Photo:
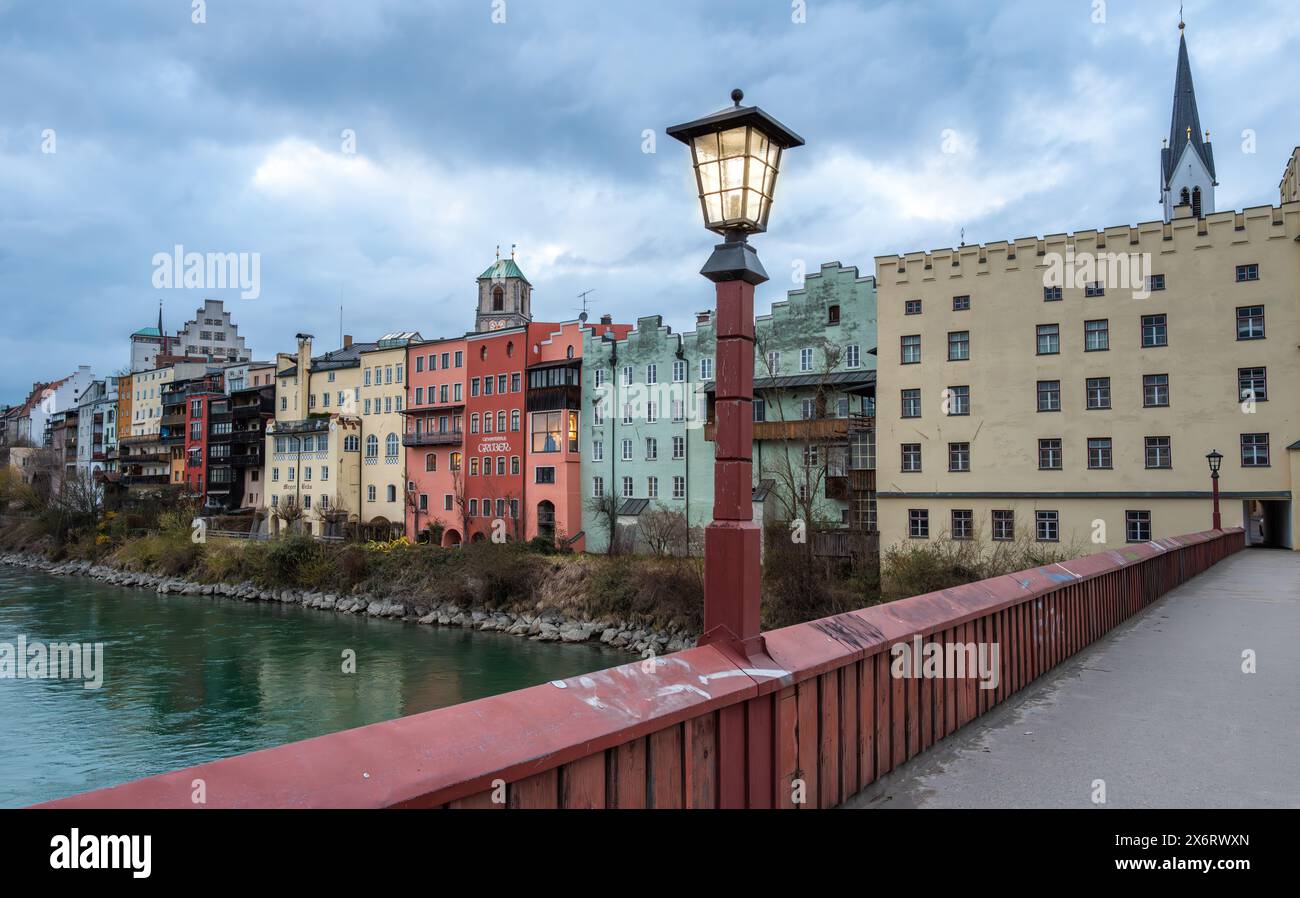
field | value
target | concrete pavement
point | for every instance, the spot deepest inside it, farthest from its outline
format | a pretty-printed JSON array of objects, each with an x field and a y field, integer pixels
[{"x": 1159, "y": 709}]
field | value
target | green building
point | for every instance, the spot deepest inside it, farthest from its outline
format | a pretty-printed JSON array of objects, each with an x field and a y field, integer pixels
[{"x": 647, "y": 469}]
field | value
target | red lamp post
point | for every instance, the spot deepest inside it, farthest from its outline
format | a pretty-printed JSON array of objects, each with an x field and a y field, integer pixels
[
  {"x": 736, "y": 154},
  {"x": 1215, "y": 458}
]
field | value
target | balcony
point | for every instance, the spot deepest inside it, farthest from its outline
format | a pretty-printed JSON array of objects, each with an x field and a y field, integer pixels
[
  {"x": 802, "y": 429},
  {"x": 434, "y": 438},
  {"x": 244, "y": 461},
  {"x": 146, "y": 479}
]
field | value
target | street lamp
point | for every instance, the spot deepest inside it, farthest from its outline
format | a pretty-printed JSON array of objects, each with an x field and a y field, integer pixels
[
  {"x": 736, "y": 155},
  {"x": 1215, "y": 458}
]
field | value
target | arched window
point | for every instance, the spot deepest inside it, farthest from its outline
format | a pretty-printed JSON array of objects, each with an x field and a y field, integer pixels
[
  {"x": 510, "y": 349},
  {"x": 569, "y": 352},
  {"x": 431, "y": 461},
  {"x": 392, "y": 493},
  {"x": 546, "y": 518},
  {"x": 372, "y": 446},
  {"x": 482, "y": 353},
  {"x": 498, "y": 299},
  {"x": 501, "y": 422},
  {"x": 454, "y": 461},
  {"x": 391, "y": 443},
  {"x": 1196, "y": 202},
  {"x": 1185, "y": 197},
  {"x": 833, "y": 315}
]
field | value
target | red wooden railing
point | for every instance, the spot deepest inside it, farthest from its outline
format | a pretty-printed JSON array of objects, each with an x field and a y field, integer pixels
[{"x": 823, "y": 722}]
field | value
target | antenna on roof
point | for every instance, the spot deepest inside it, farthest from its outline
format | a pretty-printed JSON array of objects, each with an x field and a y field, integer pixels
[
  {"x": 963, "y": 237},
  {"x": 583, "y": 296},
  {"x": 512, "y": 251}
]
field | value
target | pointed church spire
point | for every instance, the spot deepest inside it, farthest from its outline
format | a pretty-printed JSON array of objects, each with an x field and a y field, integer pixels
[{"x": 1186, "y": 159}]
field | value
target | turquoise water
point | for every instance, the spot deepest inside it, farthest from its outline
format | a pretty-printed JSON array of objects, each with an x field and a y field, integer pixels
[{"x": 189, "y": 679}]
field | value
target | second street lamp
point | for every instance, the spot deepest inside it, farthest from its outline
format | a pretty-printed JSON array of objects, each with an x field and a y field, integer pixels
[
  {"x": 736, "y": 155},
  {"x": 1215, "y": 458}
]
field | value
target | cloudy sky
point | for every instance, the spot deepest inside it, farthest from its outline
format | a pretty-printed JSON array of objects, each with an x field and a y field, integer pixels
[{"x": 229, "y": 136}]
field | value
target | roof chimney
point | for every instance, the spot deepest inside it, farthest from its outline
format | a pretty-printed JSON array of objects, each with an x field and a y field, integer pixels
[
  {"x": 347, "y": 341},
  {"x": 703, "y": 317},
  {"x": 606, "y": 319}
]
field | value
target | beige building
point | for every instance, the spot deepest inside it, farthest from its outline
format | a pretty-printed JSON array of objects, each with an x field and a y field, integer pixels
[
  {"x": 1022, "y": 395},
  {"x": 312, "y": 472},
  {"x": 383, "y": 464},
  {"x": 1290, "y": 186}
]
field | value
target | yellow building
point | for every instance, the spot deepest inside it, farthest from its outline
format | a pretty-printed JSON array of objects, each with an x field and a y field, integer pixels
[
  {"x": 312, "y": 474},
  {"x": 1022, "y": 395},
  {"x": 382, "y": 398}
]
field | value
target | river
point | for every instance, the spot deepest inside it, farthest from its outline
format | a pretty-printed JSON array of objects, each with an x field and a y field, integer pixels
[{"x": 188, "y": 679}]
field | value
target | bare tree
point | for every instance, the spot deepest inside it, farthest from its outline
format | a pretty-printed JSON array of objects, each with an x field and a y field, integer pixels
[
  {"x": 663, "y": 530},
  {"x": 605, "y": 507}
]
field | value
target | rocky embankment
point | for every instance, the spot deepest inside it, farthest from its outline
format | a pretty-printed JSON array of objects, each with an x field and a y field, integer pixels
[{"x": 541, "y": 626}]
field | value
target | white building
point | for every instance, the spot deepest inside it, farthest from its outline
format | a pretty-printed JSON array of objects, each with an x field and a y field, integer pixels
[{"x": 212, "y": 334}]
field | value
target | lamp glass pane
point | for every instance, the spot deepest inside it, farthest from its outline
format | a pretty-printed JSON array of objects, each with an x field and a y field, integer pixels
[
  {"x": 758, "y": 144},
  {"x": 733, "y": 205},
  {"x": 713, "y": 203},
  {"x": 733, "y": 142},
  {"x": 706, "y": 148},
  {"x": 769, "y": 180},
  {"x": 733, "y": 172},
  {"x": 754, "y": 206},
  {"x": 710, "y": 177},
  {"x": 756, "y": 177}
]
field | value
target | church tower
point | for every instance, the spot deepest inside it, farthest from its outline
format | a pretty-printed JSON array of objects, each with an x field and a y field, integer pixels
[
  {"x": 505, "y": 298},
  {"x": 1186, "y": 160}
]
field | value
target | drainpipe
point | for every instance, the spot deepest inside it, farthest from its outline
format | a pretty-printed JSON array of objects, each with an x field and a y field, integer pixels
[
  {"x": 613, "y": 442},
  {"x": 686, "y": 445}
]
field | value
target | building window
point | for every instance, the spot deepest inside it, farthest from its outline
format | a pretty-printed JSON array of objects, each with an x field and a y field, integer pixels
[
  {"x": 805, "y": 360},
  {"x": 627, "y": 375},
  {"x": 706, "y": 369},
  {"x": 1155, "y": 390},
  {"x": 912, "y": 307},
  {"x": 1004, "y": 525},
  {"x": 431, "y": 461},
  {"x": 963, "y": 523},
  {"x": 773, "y": 362},
  {"x": 958, "y": 346},
  {"x": 679, "y": 487},
  {"x": 372, "y": 446},
  {"x": 911, "y": 349},
  {"x": 473, "y": 466},
  {"x": 958, "y": 400},
  {"x": 679, "y": 371},
  {"x": 1155, "y": 282},
  {"x": 1049, "y": 395},
  {"x": 1049, "y": 339},
  {"x": 1158, "y": 453},
  {"x": 1094, "y": 288},
  {"x": 679, "y": 448},
  {"x": 652, "y": 374},
  {"x": 911, "y": 457},
  {"x": 1050, "y": 456},
  {"x": 918, "y": 523},
  {"x": 651, "y": 449},
  {"x": 627, "y": 450},
  {"x": 959, "y": 456},
  {"x": 1051, "y": 294},
  {"x": 600, "y": 378},
  {"x": 1098, "y": 392},
  {"x": 1137, "y": 526},
  {"x": 911, "y": 403},
  {"x": 758, "y": 406},
  {"x": 1252, "y": 383},
  {"x": 808, "y": 409},
  {"x": 545, "y": 475},
  {"x": 547, "y": 431},
  {"x": 1155, "y": 330},
  {"x": 1047, "y": 526},
  {"x": 1254, "y": 450},
  {"x": 652, "y": 487},
  {"x": 598, "y": 487},
  {"x": 1099, "y": 453},
  {"x": 473, "y": 508},
  {"x": 960, "y": 303},
  {"x": 1096, "y": 335},
  {"x": 1247, "y": 272},
  {"x": 390, "y": 445},
  {"x": 1250, "y": 323},
  {"x": 651, "y": 412},
  {"x": 833, "y": 315},
  {"x": 371, "y": 493},
  {"x": 627, "y": 488},
  {"x": 851, "y": 357}
]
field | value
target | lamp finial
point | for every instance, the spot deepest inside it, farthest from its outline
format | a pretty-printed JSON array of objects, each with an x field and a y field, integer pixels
[{"x": 737, "y": 95}]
